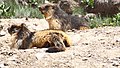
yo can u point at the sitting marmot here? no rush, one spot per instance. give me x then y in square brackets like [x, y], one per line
[58, 19]
[56, 40]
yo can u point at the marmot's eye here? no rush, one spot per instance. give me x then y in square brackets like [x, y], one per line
[47, 7]
[15, 30]
[53, 7]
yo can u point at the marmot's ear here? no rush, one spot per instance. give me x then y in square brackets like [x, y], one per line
[40, 8]
[51, 5]
[54, 6]
[23, 25]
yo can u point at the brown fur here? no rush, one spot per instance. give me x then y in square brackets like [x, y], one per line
[65, 6]
[58, 19]
[55, 39]
[102, 7]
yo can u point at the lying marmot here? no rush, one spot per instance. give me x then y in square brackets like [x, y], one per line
[58, 19]
[56, 40]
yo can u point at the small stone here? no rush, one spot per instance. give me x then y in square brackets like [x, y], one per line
[4, 53]
[118, 57]
[85, 43]
[102, 42]
[89, 55]
[84, 59]
[118, 40]
[113, 43]
[5, 64]
[116, 65]
[10, 54]
[26, 18]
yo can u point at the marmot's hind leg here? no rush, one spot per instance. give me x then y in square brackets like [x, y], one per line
[83, 28]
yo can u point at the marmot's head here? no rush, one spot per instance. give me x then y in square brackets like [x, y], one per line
[16, 28]
[65, 6]
[47, 9]
[20, 32]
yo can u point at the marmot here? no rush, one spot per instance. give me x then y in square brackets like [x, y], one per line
[56, 40]
[65, 5]
[58, 19]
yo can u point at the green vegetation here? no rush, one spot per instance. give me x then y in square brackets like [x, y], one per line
[11, 9]
[105, 21]
[78, 10]
[88, 2]
[4, 10]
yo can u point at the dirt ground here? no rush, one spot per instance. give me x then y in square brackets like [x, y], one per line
[93, 48]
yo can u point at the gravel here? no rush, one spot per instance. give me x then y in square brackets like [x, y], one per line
[93, 48]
